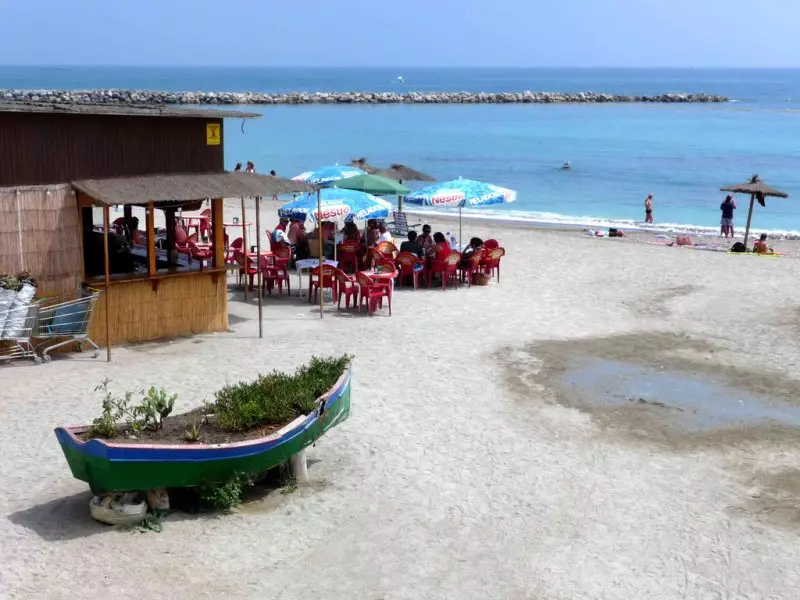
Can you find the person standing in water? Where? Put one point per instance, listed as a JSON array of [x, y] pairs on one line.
[[727, 208], [648, 209]]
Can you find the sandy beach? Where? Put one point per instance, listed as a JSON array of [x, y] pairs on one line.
[[479, 461]]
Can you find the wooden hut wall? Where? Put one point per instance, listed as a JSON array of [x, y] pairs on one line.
[[55, 148], [196, 303], [40, 234]]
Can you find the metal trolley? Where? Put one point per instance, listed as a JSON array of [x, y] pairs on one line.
[[17, 326], [65, 320]]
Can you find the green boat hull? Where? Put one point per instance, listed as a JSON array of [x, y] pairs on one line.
[[110, 467]]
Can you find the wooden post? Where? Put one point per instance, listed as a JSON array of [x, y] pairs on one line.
[[169, 215], [258, 265], [245, 249], [218, 231], [108, 282], [150, 227], [749, 216], [321, 248]]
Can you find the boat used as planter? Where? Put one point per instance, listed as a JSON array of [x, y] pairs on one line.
[[109, 466]]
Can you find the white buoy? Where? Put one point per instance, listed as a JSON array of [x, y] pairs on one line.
[[299, 467]]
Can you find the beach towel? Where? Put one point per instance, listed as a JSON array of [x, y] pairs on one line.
[[15, 325]]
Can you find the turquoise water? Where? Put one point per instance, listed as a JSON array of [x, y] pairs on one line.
[[681, 154]]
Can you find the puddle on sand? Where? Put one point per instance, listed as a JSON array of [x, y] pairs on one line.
[[701, 403]]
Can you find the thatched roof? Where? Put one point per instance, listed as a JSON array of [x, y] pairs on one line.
[[361, 163], [755, 186], [188, 187], [124, 110], [396, 171]]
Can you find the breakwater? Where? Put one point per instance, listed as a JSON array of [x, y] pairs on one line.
[[129, 97]]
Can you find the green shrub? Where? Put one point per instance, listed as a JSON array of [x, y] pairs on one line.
[[227, 494], [277, 398]]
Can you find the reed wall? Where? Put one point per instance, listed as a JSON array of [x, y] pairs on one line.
[[40, 233], [195, 303]]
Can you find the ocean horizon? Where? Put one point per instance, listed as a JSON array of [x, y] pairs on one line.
[[682, 154]]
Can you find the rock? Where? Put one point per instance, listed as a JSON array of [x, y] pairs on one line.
[[122, 97]]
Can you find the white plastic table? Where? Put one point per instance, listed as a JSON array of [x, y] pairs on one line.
[[307, 264]]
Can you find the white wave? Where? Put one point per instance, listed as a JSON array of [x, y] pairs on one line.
[[550, 219]]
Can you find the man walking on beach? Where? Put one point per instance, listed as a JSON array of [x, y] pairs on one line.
[[727, 207], [648, 209]]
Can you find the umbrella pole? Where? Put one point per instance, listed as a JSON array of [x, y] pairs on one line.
[[244, 249], [258, 266], [459, 226], [321, 246], [749, 216], [400, 204]]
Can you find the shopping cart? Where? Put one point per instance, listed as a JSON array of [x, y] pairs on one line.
[[65, 320], [16, 327]]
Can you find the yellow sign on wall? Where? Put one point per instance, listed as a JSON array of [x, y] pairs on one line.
[[213, 134]]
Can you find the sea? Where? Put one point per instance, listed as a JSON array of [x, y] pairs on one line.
[[680, 153]]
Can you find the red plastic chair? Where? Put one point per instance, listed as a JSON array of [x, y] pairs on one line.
[[345, 286], [348, 252], [246, 267], [275, 274], [468, 272], [205, 224], [198, 253], [388, 249], [491, 244], [237, 244], [408, 264], [373, 258], [447, 267], [328, 281], [283, 256], [372, 293], [491, 262]]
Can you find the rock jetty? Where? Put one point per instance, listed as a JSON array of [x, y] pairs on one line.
[[129, 97]]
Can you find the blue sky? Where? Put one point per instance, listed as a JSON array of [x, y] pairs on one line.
[[513, 33]]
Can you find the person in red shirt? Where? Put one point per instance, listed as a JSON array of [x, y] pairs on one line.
[[441, 247], [283, 224]]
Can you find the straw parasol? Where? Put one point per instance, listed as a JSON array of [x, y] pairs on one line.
[[758, 190], [361, 163], [400, 172]]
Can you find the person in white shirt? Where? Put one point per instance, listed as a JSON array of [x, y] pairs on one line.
[[384, 236]]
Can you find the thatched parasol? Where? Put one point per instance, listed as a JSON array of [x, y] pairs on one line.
[[361, 163], [400, 172], [757, 190]]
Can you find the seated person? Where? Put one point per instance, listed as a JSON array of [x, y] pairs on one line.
[[412, 245], [279, 238], [297, 232], [384, 236], [372, 232], [440, 248], [760, 247], [351, 232], [283, 223], [425, 239], [474, 245]]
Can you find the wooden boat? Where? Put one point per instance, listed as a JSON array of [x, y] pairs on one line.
[[111, 466]]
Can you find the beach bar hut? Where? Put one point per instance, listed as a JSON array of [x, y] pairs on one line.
[[61, 169]]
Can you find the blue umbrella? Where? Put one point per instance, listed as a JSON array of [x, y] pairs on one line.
[[461, 193], [336, 205], [328, 174]]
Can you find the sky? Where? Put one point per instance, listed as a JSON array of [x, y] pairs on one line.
[[413, 33]]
